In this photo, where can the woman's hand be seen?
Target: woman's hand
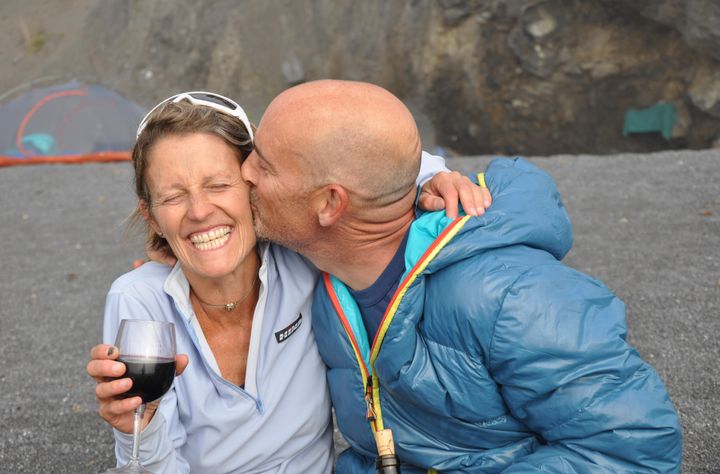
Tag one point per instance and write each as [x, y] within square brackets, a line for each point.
[114, 409]
[444, 191]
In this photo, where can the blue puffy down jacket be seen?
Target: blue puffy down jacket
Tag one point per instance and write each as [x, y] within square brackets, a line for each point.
[494, 356]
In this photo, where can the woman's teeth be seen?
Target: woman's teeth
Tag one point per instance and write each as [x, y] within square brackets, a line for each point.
[211, 240]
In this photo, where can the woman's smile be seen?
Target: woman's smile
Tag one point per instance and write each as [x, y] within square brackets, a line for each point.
[212, 239]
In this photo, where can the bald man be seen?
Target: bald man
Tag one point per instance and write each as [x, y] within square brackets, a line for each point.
[466, 337]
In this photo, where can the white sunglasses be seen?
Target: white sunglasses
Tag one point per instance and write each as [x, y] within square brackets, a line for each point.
[208, 99]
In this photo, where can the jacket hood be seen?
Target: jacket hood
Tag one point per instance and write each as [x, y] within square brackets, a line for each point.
[526, 210]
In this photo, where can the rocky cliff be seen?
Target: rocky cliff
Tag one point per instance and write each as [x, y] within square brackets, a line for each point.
[492, 76]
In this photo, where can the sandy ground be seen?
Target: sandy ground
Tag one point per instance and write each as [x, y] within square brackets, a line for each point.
[647, 225]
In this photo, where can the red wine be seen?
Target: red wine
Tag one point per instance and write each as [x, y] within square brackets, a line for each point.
[151, 377]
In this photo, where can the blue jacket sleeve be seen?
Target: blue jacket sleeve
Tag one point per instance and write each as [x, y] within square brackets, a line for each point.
[559, 354]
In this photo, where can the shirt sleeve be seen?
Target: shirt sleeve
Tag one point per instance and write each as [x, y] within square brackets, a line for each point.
[430, 165]
[164, 435]
[559, 354]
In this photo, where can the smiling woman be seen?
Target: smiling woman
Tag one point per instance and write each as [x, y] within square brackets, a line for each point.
[246, 402]
[254, 397]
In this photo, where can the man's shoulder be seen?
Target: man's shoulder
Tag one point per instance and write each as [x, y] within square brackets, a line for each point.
[487, 278]
[517, 277]
[500, 263]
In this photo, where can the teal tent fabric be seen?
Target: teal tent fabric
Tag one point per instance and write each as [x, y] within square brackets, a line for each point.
[661, 118]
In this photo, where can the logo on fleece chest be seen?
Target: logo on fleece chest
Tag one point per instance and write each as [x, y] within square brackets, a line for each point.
[283, 334]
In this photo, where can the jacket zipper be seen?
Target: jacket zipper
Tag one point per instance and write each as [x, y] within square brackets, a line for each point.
[372, 386]
[369, 403]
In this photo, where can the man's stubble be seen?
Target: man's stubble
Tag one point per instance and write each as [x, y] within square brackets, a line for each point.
[276, 234]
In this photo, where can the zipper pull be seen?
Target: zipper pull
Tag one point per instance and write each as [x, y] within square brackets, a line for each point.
[369, 406]
[387, 461]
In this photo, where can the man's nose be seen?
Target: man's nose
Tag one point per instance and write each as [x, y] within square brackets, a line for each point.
[247, 169]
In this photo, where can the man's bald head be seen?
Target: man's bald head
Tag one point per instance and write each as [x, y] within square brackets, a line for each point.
[354, 134]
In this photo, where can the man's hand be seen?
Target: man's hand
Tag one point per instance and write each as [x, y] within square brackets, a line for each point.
[114, 409]
[444, 189]
[160, 256]
[155, 256]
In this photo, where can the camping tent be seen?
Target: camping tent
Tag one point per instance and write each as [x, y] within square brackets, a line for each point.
[68, 123]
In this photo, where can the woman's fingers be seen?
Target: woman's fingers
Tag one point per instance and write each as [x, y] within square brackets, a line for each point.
[448, 189]
[103, 370]
[486, 197]
[181, 362]
[119, 413]
[120, 408]
[104, 351]
[110, 390]
[106, 371]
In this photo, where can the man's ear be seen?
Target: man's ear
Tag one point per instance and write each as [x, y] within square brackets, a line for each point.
[332, 203]
[145, 211]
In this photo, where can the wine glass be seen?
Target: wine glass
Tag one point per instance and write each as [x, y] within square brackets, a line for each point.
[147, 348]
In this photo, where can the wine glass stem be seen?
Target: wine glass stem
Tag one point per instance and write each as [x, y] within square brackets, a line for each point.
[136, 433]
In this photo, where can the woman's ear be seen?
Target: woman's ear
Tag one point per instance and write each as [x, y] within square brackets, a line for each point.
[332, 202]
[147, 215]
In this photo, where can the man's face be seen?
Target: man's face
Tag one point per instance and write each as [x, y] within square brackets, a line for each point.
[279, 194]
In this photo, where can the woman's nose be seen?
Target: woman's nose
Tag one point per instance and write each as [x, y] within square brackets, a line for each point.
[200, 206]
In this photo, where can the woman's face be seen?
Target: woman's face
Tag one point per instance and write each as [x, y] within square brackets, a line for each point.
[200, 203]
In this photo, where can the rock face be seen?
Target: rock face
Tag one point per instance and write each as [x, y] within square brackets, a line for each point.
[696, 20]
[493, 76]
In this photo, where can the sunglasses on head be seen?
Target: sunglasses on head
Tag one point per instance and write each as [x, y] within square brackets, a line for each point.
[207, 99]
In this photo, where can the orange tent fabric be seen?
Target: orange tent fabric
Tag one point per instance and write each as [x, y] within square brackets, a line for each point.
[103, 156]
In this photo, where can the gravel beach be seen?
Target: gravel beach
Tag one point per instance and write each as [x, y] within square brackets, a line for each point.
[646, 225]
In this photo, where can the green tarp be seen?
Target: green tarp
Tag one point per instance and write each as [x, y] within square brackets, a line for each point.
[659, 118]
